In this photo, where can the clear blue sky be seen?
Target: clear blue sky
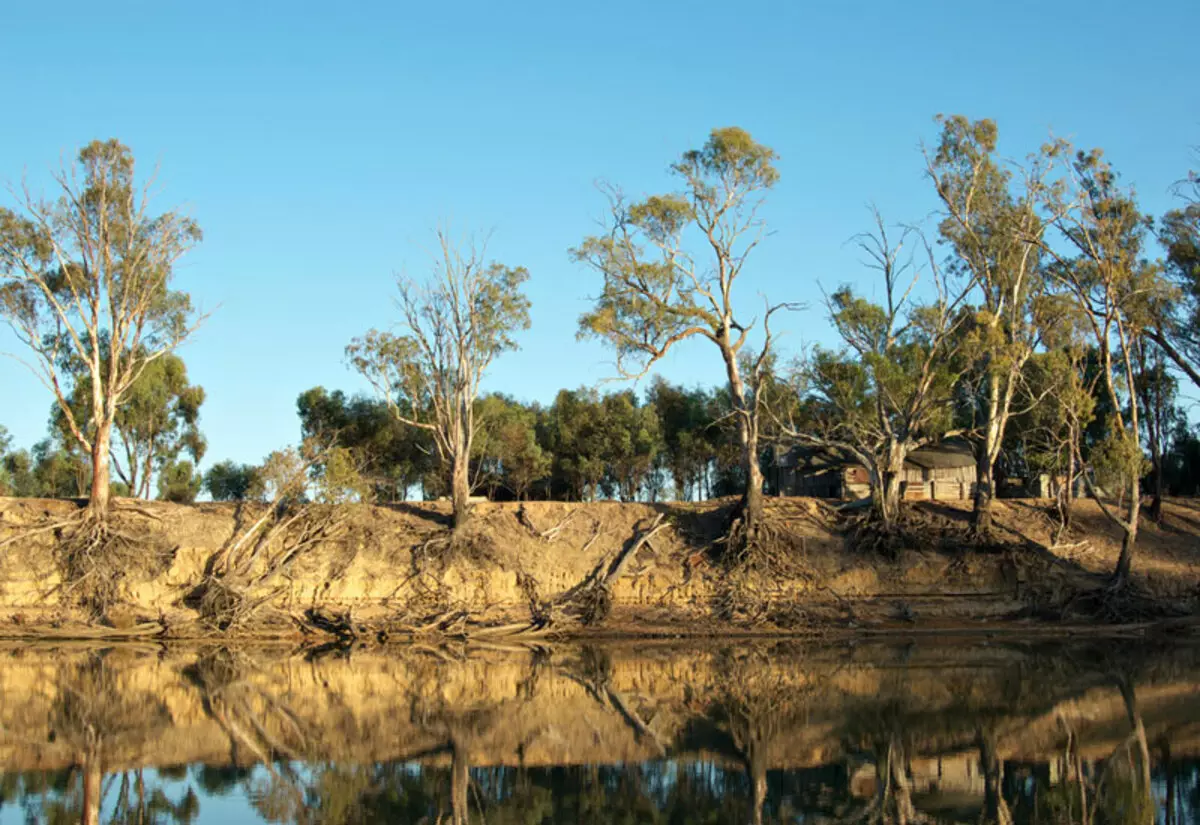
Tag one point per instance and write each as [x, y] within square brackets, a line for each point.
[317, 144]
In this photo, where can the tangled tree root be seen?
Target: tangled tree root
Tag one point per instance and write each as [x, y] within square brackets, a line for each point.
[1130, 603]
[98, 557]
[237, 589]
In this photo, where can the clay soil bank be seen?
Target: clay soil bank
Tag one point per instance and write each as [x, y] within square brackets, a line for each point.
[356, 572]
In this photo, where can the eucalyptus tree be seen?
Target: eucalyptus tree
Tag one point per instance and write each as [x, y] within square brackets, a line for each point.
[156, 423]
[888, 389]
[452, 327]
[1118, 292]
[995, 231]
[1177, 327]
[659, 290]
[86, 279]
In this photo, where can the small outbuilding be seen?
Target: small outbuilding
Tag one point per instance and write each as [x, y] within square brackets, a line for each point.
[944, 472]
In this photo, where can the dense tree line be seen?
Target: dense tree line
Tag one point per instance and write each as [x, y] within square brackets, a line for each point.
[670, 443]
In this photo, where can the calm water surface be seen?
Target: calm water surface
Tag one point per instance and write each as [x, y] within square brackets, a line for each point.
[623, 733]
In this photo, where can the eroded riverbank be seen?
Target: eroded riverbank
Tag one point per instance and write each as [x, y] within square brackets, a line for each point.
[532, 570]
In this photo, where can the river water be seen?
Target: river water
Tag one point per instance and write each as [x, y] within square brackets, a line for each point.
[626, 732]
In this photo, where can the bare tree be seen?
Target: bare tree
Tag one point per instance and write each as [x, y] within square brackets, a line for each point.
[452, 327]
[889, 389]
[85, 283]
[657, 293]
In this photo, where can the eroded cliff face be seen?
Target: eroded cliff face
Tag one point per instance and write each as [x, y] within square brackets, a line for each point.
[781, 705]
[380, 570]
[388, 565]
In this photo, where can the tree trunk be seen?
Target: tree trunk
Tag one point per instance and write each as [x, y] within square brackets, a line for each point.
[1156, 462]
[995, 809]
[460, 490]
[993, 433]
[888, 500]
[747, 418]
[1065, 494]
[981, 515]
[91, 790]
[752, 501]
[460, 783]
[98, 500]
[1129, 696]
[756, 768]
[1125, 561]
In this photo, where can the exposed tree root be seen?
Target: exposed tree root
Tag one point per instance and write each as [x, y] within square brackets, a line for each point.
[1129, 603]
[237, 588]
[97, 557]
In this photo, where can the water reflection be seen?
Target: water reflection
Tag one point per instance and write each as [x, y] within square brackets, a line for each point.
[761, 733]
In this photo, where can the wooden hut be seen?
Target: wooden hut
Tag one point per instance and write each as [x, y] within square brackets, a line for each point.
[944, 472]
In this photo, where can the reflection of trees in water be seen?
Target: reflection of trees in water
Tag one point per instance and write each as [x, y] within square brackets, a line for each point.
[127, 797]
[716, 739]
[99, 719]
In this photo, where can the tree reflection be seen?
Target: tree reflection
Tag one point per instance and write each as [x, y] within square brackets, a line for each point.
[582, 737]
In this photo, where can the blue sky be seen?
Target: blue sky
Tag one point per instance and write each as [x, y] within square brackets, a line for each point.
[318, 144]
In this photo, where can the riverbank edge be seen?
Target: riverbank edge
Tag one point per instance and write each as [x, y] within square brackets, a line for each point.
[374, 581]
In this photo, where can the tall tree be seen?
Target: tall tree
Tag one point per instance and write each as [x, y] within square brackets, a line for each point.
[574, 433]
[888, 390]
[689, 435]
[1177, 324]
[1117, 292]
[656, 293]
[454, 326]
[87, 274]
[155, 424]
[995, 234]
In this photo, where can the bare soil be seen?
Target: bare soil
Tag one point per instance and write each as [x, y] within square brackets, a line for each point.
[384, 573]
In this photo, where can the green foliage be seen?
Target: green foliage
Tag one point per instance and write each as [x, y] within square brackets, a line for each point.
[575, 433]
[229, 481]
[7, 481]
[391, 456]
[46, 471]
[633, 441]
[1117, 459]
[654, 294]
[337, 479]
[507, 451]
[179, 482]
[156, 422]
[686, 420]
[1179, 321]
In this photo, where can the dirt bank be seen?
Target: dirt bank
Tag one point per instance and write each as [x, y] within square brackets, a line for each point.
[357, 571]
